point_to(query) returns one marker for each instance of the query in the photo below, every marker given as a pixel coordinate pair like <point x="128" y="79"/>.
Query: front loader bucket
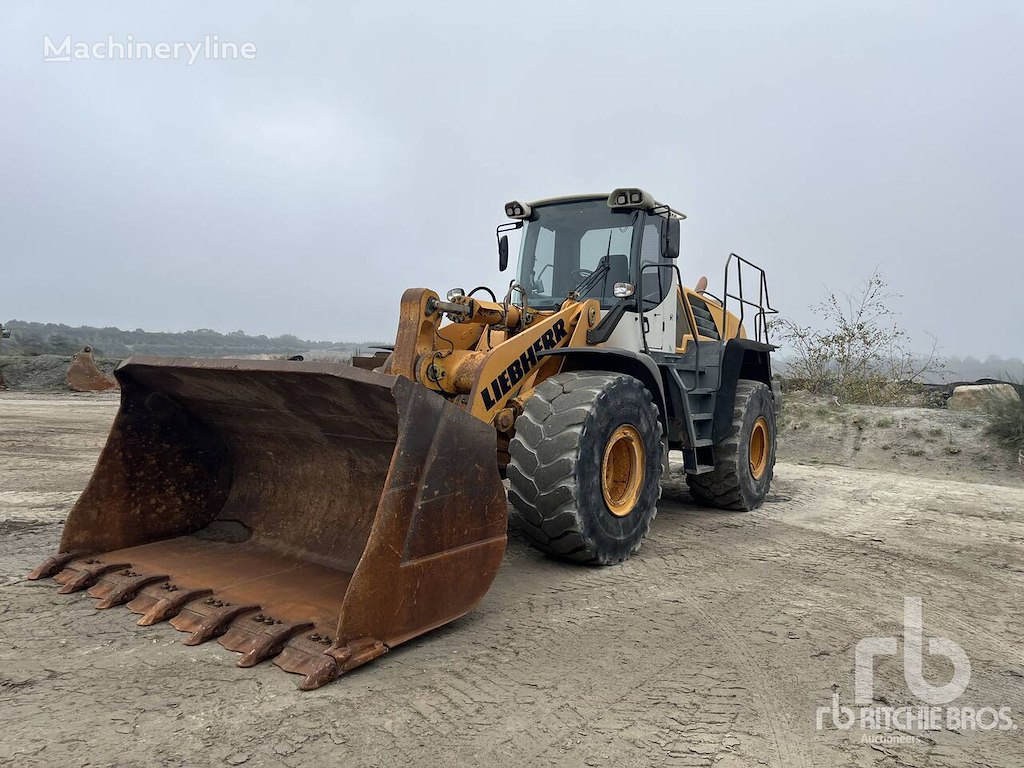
<point x="83" y="375"/>
<point x="314" y="513"/>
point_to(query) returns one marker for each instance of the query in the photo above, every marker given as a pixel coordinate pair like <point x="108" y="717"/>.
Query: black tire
<point x="732" y="484"/>
<point x="556" y="468"/>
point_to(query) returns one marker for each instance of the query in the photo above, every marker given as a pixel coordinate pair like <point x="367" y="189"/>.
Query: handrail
<point x="763" y="303"/>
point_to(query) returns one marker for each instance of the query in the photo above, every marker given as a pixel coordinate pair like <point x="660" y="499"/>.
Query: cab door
<point x="659" y="287"/>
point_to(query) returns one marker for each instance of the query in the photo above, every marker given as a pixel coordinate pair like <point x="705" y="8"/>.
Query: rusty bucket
<point x="312" y="513"/>
<point x="83" y="375"/>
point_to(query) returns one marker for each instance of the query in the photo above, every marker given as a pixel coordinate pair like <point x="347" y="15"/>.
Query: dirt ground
<point x="714" y="646"/>
<point x="931" y="442"/>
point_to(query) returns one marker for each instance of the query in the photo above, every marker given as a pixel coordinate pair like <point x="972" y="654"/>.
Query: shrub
<point x="858" y="352"/>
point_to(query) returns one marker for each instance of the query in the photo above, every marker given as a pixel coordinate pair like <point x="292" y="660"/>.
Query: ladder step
<point x="701" y="469"/>
<point x="701" y="391"/>
<point x="703" y="416"/>
<point x="703" y="443"/>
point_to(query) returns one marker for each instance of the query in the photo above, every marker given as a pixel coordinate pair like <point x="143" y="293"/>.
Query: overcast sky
<point x="370" y="148"/>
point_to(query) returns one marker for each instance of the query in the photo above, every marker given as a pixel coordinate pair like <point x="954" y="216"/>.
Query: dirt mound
<point x="923" y="442"/>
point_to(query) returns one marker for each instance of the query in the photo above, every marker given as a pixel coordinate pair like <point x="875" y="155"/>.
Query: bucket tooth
<point x="358" y="652"/>
<point x="307" y="654"/>
<point x="325" y="671"/>
<point x="208" y="618"/>
<point x="259" y="637"/>
<point x="161" y="602"/>
<point x="74" y="579"/>
<point x="321" y="661"/>
<point x="54" y="564"/>
<point x="120" y="587"/>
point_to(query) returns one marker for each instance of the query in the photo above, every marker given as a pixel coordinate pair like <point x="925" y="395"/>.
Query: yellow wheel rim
<point x="622" y="470"/>
<point x="759" y="448"/>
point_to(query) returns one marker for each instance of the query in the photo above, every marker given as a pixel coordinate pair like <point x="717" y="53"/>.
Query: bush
<point x="1006" y="419"/>
<point x="858" y="353"/>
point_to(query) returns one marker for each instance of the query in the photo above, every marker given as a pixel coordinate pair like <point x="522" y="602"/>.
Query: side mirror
<point x="503" y="253"/>
<point x="503" y="241"/>
<point x="670" y="239"/>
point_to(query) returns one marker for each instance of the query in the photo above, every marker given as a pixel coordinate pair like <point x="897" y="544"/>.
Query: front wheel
<point x="585" y="467"/>
<point x="745" y="458"/>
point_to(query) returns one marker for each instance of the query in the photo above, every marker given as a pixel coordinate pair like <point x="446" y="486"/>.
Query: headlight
<point x="455" y="293"/>
<point x="517" y="210"/>
<point x="630" y="197"/>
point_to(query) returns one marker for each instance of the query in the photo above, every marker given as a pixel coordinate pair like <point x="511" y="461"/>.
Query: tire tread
<point x="544" y="493"/>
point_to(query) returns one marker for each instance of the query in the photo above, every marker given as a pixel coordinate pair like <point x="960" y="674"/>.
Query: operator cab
<point x="604" y="247"/>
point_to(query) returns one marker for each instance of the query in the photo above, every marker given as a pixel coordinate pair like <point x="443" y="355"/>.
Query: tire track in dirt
<point x="580" y="619"/>
<point x="864" y="563"/>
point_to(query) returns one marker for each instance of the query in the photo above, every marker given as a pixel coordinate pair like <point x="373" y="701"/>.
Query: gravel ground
<point x="714" y="646"/>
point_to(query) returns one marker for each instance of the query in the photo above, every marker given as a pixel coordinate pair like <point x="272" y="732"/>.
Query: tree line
<point x="29" y="338"/>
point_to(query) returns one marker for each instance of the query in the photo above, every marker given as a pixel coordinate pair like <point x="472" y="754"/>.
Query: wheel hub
<point x="758" y="452"/>
<point x="622" y="470"/>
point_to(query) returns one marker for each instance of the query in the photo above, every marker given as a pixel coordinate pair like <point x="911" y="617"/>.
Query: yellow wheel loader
<point x="320" y="514"/>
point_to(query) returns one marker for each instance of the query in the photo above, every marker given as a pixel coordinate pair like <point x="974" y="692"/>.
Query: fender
<point x="743" y="359"/>
<point x="617" y="360"/>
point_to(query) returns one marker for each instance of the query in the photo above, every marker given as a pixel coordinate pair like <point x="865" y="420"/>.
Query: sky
<point x="366" y="148"/>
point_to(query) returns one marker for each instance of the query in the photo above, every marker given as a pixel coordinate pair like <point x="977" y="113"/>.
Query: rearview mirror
<point x="503" y="241"/>
<point x="670" y="239"/>
<point x="503" y="253"/>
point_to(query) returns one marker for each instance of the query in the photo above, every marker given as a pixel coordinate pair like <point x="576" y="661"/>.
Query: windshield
<point x="564" y="242"/>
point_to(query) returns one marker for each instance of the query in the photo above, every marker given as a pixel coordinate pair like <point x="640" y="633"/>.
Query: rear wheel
<point x="745" y="459"/>
<point x="585" y="466"/>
